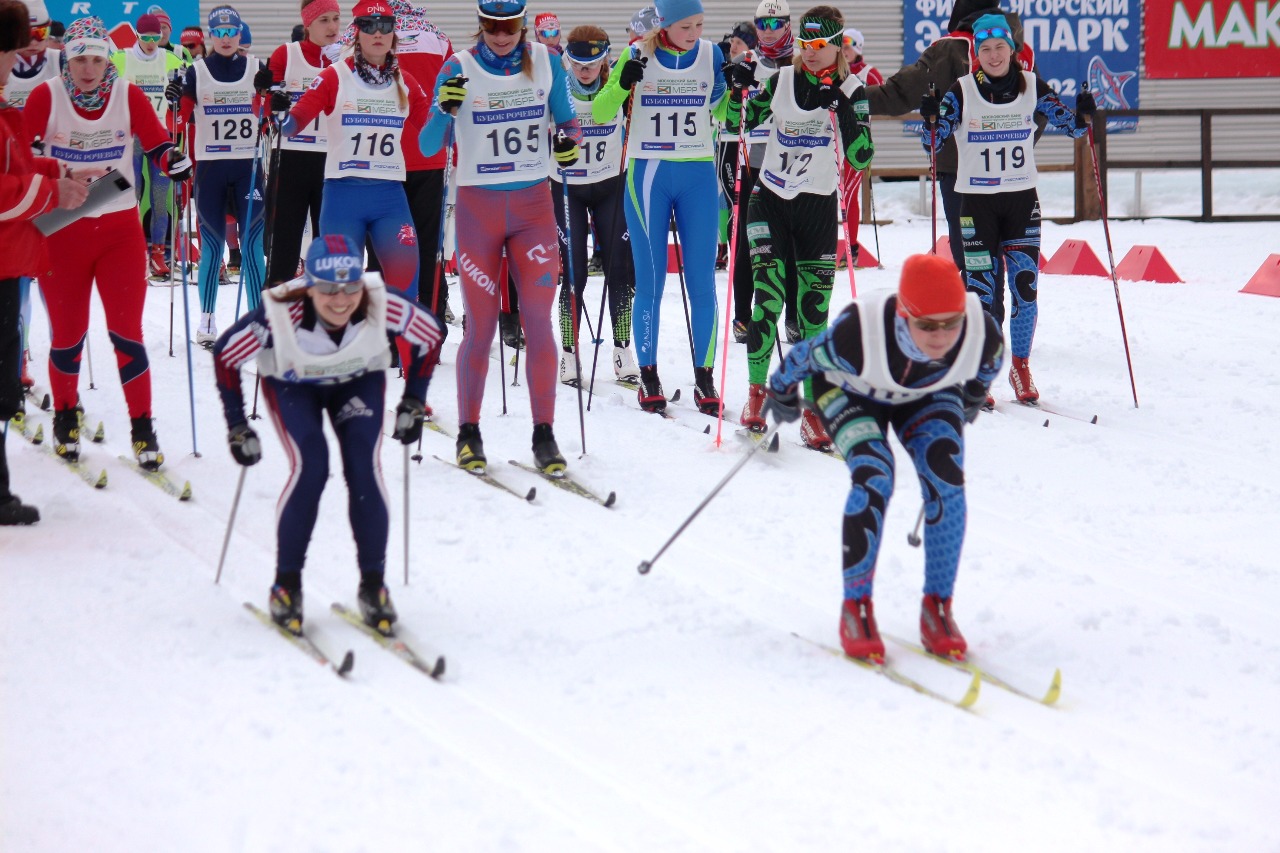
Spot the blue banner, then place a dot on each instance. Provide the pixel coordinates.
(182, 13)
(1075, 41)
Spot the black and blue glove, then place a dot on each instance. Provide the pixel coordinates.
(410, 415)
(246, 449)
(782, 405)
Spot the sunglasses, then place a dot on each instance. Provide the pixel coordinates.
(40, 33)
(149, 38)
(771, 23)
(224, 32)
(938, 325)
(329, 288)
(814, 44)
(992, 32)
(380, 25)
(548, 34)
(510, 26)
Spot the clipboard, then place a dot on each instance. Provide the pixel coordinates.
(105, 189)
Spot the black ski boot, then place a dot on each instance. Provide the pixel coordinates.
(650, 392)
(145, 446)
(285, 606)
(66, 434)
(546, 453)
(471, 449)
(704, 391)
(376, 608)
(512, 334)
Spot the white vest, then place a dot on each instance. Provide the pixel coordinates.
(298, 74)
(996, 142)
(877, 383)
(672, 118)
(226, 128)
(151, 76)
(503, 126)
(105, 142)
(600, 152)
(17, 89)
(311, 356)
(759, 135)
(800, 156)
(364, 129)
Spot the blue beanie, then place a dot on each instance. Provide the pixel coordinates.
(224, 16)
(988, 24)
(671, 11)
(333, 257)
(246, 37)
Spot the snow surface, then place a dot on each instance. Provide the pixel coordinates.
(587, 707)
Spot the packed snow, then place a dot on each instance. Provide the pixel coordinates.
(588, 707)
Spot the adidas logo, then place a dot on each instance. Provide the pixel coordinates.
(353, 408)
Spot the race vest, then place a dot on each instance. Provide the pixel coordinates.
(104, 142)
(150, 75)
(996, 142)
(765, 68)
(503, 126)
(877, 383)
(600, 152)
(311, 356)
(364, 129)
(298, 74)
(17, 89)
(672, 118)
(800, 156)
(225, 126)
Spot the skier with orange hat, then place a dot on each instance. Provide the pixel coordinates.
(919, 360)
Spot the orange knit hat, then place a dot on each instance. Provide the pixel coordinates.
(930, 284)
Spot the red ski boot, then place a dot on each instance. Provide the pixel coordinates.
(859, 636)
(650, 391)
(938, 631)
(1024, 387)
(812, 432)
(751, 417)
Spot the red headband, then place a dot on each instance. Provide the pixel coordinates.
(314, 10)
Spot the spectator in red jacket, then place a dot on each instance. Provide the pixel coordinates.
(29, 187)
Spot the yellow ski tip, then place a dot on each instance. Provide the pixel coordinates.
(101, 482)
(971, 695)
(100, 434)
(39, 437)
(185, 494)
(1055, 688)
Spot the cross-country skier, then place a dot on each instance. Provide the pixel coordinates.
(671, 171)
(793, 204)
(505, 93)
(851, 177)
(991, 115)
(921, 361)
(89, 116)
(321, 346)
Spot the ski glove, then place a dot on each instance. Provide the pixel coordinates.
(245, 447)
(740, 75)
(452, 93)
(632, 72)
(409, 417)
(975, 397)
(829, 94)
(930, 106)
(782, 406)
(280, 101)
(173, 92)
(566, 150)
(179, 166)
(263, 80)
(1085, 108)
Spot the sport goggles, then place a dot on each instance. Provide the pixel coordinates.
(587, 52)
(814, 44)
(149, 38)
(949, 325)
(771, 23)
(329, 288)
(548, 34)
(224, 32)
(40, 32)
(510, 26)
(992, 32)
(381, 25)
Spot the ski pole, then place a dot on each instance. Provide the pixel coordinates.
(186, 305)
(598, 339)
(736, 212)
(406, 515)
(246, 227)
(573, 300)
(848, 244)
(502, 353)
(933, 172)
(875, 227)
(913, 538)
(269, 204)
(88, 360)
(231, 520)
(684, 291)
(1111, 258)
(768, 441)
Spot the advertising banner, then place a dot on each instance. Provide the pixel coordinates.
(1213, 38)
(1075, 41)
(119, 15)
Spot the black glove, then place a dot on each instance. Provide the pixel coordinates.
(173, 92)
(1085, 108)
(565, 150)
(975, 399)
(179, 166)
(782, 406)
(632, 72)
(263, 79)
(740, 75)
(280, 101)
(930, 106)
(409, 417)
(452, 93)
(245, 447)
(829, 94)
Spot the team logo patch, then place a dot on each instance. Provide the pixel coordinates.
(407, 236)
